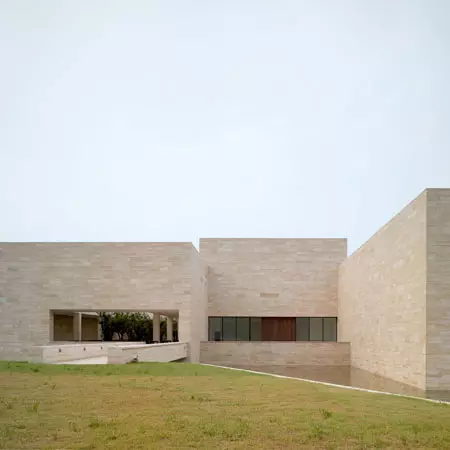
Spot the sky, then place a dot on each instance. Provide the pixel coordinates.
(145, 120)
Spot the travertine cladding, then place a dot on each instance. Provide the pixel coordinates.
(199, 319)
(382, 299)
(38, 277)
(438, 289)
(276, 353)
(272, 277)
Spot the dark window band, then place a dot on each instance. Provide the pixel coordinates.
(315, 329)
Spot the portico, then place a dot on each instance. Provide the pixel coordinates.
(86, 326)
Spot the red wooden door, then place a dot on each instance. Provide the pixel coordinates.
(278, 329)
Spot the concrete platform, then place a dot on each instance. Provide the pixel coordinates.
(95, 360)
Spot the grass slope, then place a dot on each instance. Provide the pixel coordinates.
(154, 405)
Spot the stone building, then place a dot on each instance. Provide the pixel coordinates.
(384, 309)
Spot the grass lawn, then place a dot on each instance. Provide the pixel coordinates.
(152, 405)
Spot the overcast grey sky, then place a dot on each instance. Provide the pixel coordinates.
(173, 120)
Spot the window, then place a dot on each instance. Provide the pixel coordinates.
(315, 329)
(302, 329)
(329, 329)
(215, 328)
(229, 328)
(255, 328)
(274, 329)
(243, 328)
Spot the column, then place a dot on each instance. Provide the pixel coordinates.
(51, 330)
(156, 327)
(169, 325)
(99, 332)
(77, 330)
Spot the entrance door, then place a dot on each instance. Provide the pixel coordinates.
(278, 329)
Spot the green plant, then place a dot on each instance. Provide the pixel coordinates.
(325, 413)
(316, 431)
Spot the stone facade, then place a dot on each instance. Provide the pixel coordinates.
(276, 353)
(36, 278)
(438, 289)
(391, 296)
(394, 296)
(382, 299)
(273, 277)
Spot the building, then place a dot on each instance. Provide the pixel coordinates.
(384, 309)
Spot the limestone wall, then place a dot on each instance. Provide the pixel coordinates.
(273, 277)
(38, 277)
(275, 353)
(382, 299)
(438, 289)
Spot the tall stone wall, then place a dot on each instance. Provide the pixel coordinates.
(36, 278)
(193, 316)
(438, 289)
(273, 277)
(382, 299)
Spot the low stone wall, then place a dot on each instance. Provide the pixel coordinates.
(67, 352)
(171, 351)
(276, 353)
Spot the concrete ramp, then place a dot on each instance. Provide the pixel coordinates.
(114, 353)
(95, 360)
(65, 352)
(109, 352)
(171, 351)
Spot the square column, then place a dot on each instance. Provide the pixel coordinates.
(169, 324)
(51, 327)
(99, 331)
(156, 327)
(77, 330)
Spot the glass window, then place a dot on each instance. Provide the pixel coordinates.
(243, 328)
(255, 328)
(315, 329)
(229, 328)
(329, 329)
(215, 328)
(302, 329)
(249, 329)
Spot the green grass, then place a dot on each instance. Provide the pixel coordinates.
(153, 369)
(152, 406)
